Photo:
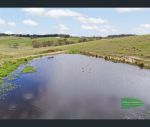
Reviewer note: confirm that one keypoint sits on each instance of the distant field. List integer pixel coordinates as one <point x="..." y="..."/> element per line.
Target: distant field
<point x="55" y="39"/>
<point x="11" y="41"/>
<point x="22" y="42"/>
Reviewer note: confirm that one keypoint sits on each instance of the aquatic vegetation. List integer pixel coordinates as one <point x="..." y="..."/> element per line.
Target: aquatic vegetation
<point x="12" y="77"/>
<point x="6" y="88"/>
<point x="1" y="81"/>
<point x="11" y="65"/>
<point x="29" y="69"/>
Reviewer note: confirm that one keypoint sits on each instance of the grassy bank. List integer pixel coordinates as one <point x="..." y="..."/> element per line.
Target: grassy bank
<point x="17" y="42"/>
<point x="132" y="50"/>
<point x="10" y="65"/>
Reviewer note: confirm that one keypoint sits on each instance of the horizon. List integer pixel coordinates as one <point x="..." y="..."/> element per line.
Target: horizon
<point x="57" y="35"/>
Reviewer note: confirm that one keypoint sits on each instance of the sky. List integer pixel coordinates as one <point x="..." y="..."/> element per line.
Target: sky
<point x="75" y="21"/>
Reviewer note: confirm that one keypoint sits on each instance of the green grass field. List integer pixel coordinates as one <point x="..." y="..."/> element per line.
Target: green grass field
<point x="9" y="41"/>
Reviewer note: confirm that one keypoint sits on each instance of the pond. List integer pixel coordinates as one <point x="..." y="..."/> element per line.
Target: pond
<point x="75" y="87"/>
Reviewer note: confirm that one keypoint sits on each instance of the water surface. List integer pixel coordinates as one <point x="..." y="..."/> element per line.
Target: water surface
<point x="76" y="87"/>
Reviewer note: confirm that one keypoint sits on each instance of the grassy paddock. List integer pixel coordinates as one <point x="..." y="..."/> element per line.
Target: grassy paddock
<point x="15" y="42"/>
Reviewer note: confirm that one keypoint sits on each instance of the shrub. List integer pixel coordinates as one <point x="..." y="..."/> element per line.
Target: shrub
<point x="106" y="57"/>
<point x="15" y="45"/>
<point x="141" y="65"/>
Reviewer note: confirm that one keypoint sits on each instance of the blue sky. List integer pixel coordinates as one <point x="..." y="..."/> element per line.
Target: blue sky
<point x="75" y="21"/>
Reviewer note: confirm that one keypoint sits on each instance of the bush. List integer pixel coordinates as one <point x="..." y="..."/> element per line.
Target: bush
<point x="106" y="57"/>
<point x="36" y="44"/>
<point x="15" y="45"/>
<point x="141" y="65"/>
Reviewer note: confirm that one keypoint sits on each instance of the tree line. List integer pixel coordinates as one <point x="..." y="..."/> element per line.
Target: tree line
<point x="120" y="35"/>
<point x="36" y="35"/>
<point x="62" y="35"/>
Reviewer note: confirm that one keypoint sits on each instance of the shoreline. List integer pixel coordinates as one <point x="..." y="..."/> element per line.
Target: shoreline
<point x="120" y="59"/>
<point x="43" y="54"/>
<point x="7" y="67"/>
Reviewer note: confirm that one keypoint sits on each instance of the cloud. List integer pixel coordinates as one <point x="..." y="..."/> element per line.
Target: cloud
<point x="107" y="30"/>
<point x="101" y="30"/>
<point x="98" y="24"/>
<point x="63" y="29"/>
<point x="5" y="23"/>
<point x="34" y="11"/>
<point x="8" y="32"/>
<point x="86" y="27"/>
<point x="87" y="22"/>
<point x="92" y="20"/>
<point x="145" y="26"/>
<point x="56" y="13"/>
<point x="97" y="20"/>
<point x="124" y="10"/>
<point x="11" y="24"/>
<point x="2" y="22"/>
<point x="142" y="29"/>
<point x="30" y="22"/>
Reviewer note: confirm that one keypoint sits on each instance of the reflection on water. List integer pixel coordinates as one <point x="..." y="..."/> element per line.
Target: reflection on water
<point x="74" y="87"/>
